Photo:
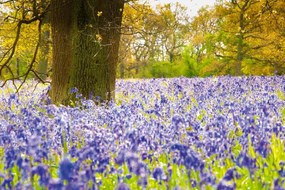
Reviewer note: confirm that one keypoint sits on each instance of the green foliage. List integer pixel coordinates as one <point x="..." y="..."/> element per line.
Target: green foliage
<point x="164" y="69"/>
<point x="19" y="66"/>
<point x="250" y="67"/>
<point x="196" y="62"/>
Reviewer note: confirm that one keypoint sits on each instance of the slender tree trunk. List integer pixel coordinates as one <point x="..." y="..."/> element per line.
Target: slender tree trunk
<point x="122" y="70"/>
<point x="44" y="54"/>
<point x="86" y="35"/>
<point x="240" y="56"/>
<point x="171" y="57"/>
<point x="18" y="66"/>
<point x="241" y="41"/>
<point x="240" y="49"/>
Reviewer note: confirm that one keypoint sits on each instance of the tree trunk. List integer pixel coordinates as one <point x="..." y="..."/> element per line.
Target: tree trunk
<point x="240" y="48"/>
<point x="44" y="54"/>
<point x="240" y="42"/>
<point x="122" y="70"/>
<point x="240" y="57"/>
<point x="86" y="37"/>
<point x="18" y="66"/>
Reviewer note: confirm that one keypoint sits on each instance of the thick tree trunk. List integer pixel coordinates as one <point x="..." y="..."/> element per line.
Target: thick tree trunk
<point x="61" y="22"/>
<point x="86" y="35"/>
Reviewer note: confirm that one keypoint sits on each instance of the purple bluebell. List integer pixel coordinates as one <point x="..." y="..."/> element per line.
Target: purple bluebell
<point x="66" y="169"/>
<point x="243" y="160"/>
<point x="42" y="171"/>
<point x="281" y="172"/>
<point x="225" y="186"/>
<point x="207" y="178"/>
<point x="157" y="173"/>
<point x="122" y="186"/>
<point x="278" y="184"/>
<point x="230" y="174"/>
<point x="55" y="184"/>
<point x="7" y="183"/>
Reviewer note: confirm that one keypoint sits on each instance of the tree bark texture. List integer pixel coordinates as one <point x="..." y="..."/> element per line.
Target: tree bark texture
<point x="86" y="35"/>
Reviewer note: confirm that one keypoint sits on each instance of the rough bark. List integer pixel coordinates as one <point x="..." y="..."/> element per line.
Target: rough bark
<point x="86" y="37"/>
<point x="61" y="22"/>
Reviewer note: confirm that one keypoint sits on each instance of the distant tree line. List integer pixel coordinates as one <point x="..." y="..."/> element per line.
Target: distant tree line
<point x="241" y="37"/>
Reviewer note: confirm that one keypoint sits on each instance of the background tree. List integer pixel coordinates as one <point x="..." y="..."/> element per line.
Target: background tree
<point x="155" y="37"/>
<point x="245" y="38"/>
<point x="175" y="24"/>
<point x="21" y="35"/>
<point x="238" y="37"/>
<point x="199" y="55"/>
<point x="138" y="37"/>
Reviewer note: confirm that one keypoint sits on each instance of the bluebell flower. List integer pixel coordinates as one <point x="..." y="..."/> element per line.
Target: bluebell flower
<point x="244" y="160"/>
<point x="163" y="99"/>
<point x="66" y="169"/>
<point x="73" y="90"/>
<point x="177" y="188"/>
<point x="281" y="172"/>
<point x="128" y="176"/>
<point x="176" y="120"/>
<point x="122" y="186"/>
<point x="142" y="181"/>
<point x="55" y="184"/>
<point x="181" y="148"/>
<point x="19" y="186"/>
<point x="145" y="156"/>
<point x="10" y="157"/>
<point x="120" y="159"/>
<point x="177" y="87"/>
<point x="13" y="96"/>
<point x="282" y="163"/>
<point x="157" y="173"/>
<point x="206" y="179"/>
<point x="132" y="161"/>
<point x="224" y="186"/>
<point x="6" y="139"/>
<point x="262" y="148"/>
<point x="230" y="174"/>
<point x="102" y="164"/>
<point x="192" y="161"/>
<point x="141" y="169"/>
<point x="42" y="171"/>
<point x="75" y="186"/>
<point x="7" y="183"/>
<point x="278" y="184"/>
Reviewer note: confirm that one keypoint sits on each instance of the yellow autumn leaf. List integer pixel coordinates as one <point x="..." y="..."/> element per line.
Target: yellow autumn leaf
<point x="98" y="37"/>
<point x="99" y="13"/>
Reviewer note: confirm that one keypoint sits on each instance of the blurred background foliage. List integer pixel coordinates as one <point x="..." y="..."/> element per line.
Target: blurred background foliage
<point x="241" y="37"/>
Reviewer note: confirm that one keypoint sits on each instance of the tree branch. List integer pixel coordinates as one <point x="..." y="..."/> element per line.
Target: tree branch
<point x="34" y="57"/>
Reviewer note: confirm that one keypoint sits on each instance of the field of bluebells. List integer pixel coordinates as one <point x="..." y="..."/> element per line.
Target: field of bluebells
<point x="215" y="133"/>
